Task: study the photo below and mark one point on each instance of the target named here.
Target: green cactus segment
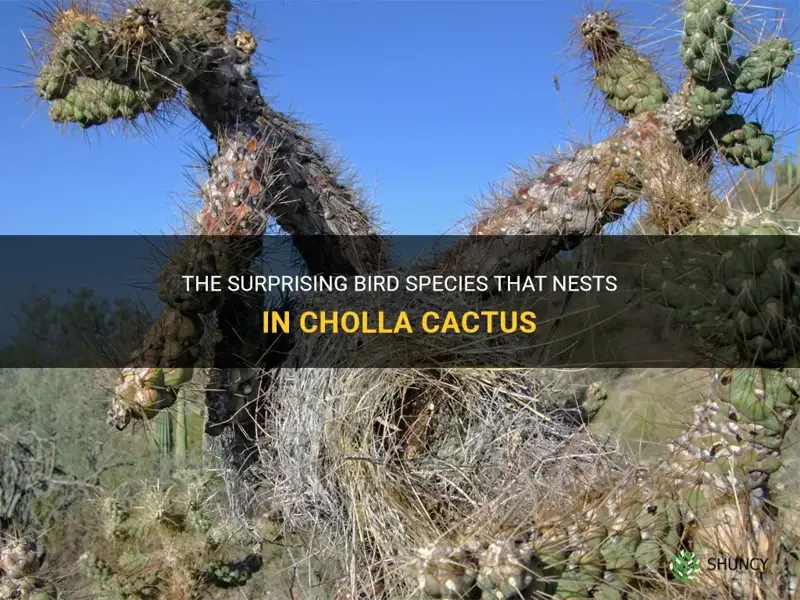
(91, 102)
(627, 80)
(739, 296)
(630, 84)
(743, 143)
(765, 63)
(707, 32)
(98, 71)
(764, 404)
(710, 100)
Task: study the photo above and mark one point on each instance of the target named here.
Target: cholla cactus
(712, 493)
(267, 168)
(98, 67)
(169, 542)
(631, 86)
(118, 65)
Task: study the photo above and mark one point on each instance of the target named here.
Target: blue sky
(429, 101)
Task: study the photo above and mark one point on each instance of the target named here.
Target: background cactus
(21, 560)
(169, 541)
(382, 463)
(163, 434)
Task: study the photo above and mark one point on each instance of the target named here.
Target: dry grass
(371, 465)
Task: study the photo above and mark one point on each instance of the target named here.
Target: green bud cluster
(765, 63)
(91, 102)
(710, 100)
(229, 575)
(743, 143)
(100, 70)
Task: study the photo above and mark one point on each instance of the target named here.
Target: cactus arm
(91, 102)
(97, 70)
(764, 64)
(575, 197)
(277, 173)
(627, 80)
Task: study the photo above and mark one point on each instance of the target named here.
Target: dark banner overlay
(510, 302)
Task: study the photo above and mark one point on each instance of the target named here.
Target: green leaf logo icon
(685, 566)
